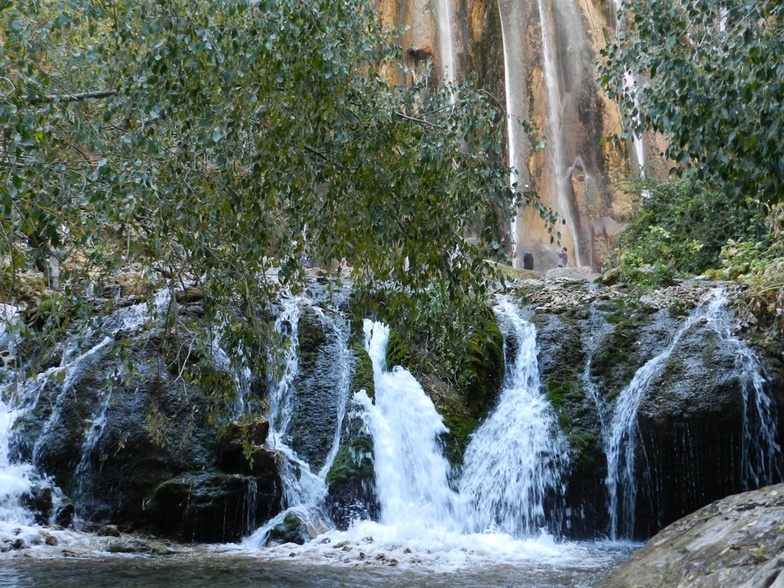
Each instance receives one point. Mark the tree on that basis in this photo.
(215, 139)
(708, 76)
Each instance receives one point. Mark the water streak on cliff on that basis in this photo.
(555, 129)
(444, 17)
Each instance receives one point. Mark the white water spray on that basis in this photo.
(411, 472)
(517, 456)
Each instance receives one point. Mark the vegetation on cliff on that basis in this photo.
(707, 78)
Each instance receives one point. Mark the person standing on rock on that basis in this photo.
(528, 260)
(562, 258)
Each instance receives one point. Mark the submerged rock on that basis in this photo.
(735, 541)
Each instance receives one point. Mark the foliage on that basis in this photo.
(681, 228)
(759, 265)
(708, 76)
(215, 140)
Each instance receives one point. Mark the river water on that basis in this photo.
(569, 565)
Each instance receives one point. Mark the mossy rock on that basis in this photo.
(458, 418)
(25, 287)
(615, 360)
(400, 353)
(291, 530)
(363, 372)
(351, 479)
(480, 377)
(561, 396)
(53, 311)
(312, 337)
(587, 453)
(352, 463)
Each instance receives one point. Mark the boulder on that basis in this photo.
(735, 541)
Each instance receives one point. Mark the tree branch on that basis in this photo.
(418, 120)
(73, 97)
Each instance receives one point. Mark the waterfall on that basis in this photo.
(759, 451)
(303, 489)
(17, 480)
(512, 464)
(411, 471)
(555, 126)
(515, 459)
(446, 50)
(514, 78)
(91, 438)
(281, 398)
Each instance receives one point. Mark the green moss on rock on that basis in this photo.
(480, 376)
(291, 530)
(352, 463)
(363, 373)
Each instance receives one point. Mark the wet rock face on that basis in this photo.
(693, 425)
(322, 373)
(212, 507)
(351, 479)
(132, 443)
(735, 541)
(698, 427)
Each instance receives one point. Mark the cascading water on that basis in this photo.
(17, 479)
(411, 472)
(516, 458)
(555, 127)
(446, 51)
(759, 451)
(514, 77)
(303, 490)
(512, 464)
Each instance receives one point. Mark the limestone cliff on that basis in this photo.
(538, 58)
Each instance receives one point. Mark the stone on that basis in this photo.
(566, 275)
(735, 541)
(108, 531)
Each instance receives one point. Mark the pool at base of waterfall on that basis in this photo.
(385, 559)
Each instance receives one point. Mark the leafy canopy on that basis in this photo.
(217, 139)
(709, 75)
(683, 225)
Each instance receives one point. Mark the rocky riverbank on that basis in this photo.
(736, 541)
